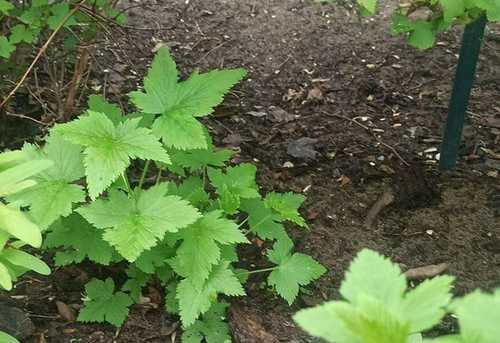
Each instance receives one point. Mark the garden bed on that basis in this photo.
(319, 76)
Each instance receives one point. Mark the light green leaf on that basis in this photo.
(97, 103)
(24, 260)
(368, 7)
(391, 284)
(12, 177)
(200, 249)
(5, 338)
(53, 195)
(287, 205)
(80, 240)
(15, 223)
(423, 35)
(136, 224)
(452, 9)
(424, 306)
(160, 85)
(20, 33)
(197, 299)
(263, 221)
(5, 278)
(179, 103)
(5, 6)
(6, 47)
(292, 271)
(180, 131)
(103, 304)
(478, 317)
(59, 12)
(211, 327)
(238, 182)
(108, 149)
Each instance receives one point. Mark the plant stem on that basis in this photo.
(129, 190)
(144, 172)
(158, 178)
(258, 271)
(243, 222)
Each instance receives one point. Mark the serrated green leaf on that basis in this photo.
(136, 281)
(53, 195)
(180, 131)
(200, 248)
(478, 317)
(179, 103)
(97, 103)
(192, 190)
(103, 304)
(195, 299)
(238, 182)
(20, 33)
(6, 47)
(292, 271)
(50, 200)
(287, 205)
(424, 306)
(59, 12)
(263, 221)
(5, 7)
(360, 277)
(198, 159)
(108, 149)
(80, 240)
(134, 225)
(154, 258)
(371, 322)
(160, 85)
(211, 327)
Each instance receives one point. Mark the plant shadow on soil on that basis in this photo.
(312, 68)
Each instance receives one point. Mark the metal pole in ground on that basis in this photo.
(462, 87)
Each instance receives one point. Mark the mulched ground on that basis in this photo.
(318, 77)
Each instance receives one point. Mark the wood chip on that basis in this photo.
(426, 272)
(65, 312)
(383, 201)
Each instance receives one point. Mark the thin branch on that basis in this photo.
(42, 50)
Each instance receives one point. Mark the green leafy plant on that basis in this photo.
(27, 21)
(33, 28)
(422, 20)
(16, 228)
(178, 225)
(378, 308)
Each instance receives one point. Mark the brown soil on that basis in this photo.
(312, 70)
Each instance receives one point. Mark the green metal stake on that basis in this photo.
(464, 78)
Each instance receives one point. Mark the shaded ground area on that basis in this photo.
(337, 108)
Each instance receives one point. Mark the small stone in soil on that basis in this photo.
(15, 322)
(302, 148)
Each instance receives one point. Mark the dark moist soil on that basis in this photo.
(313, 69)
